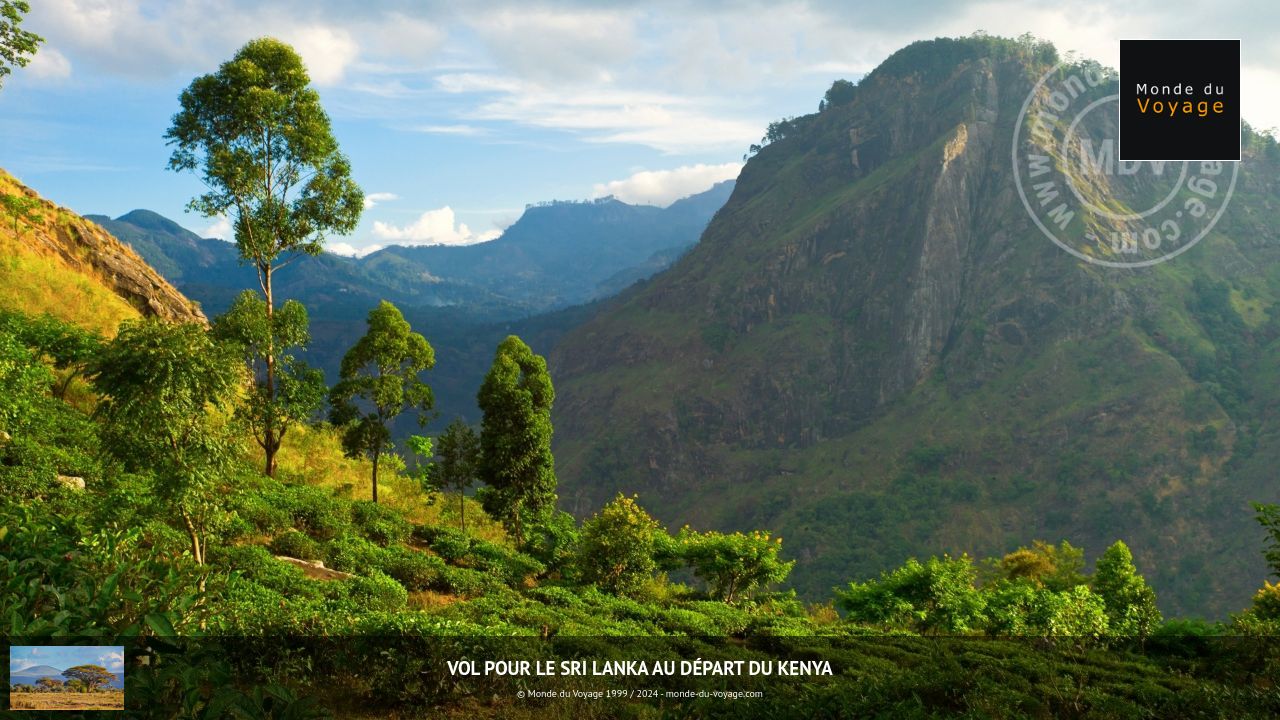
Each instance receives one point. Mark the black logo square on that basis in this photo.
(1179, 99)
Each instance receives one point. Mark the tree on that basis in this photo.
(841, 92)
(1054, 567)
(1130, 602)
(299, 389)
(20, 209)
(49, 684)
(734, 563)
(378, 381)
(70, 347)
(515, 436)
(1269, 519)
(160, 385)
(91, 676)
(617, 547)
(16, 45)
(458, 448)
(256, 132)
(937, 595)
(23, 379)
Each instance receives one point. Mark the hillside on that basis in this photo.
(874, 351)
(59, 263)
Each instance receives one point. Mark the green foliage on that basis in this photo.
(515, 437)
(297, 545)
(382, 525)
(70, 348)
(841, 92)
(22, 381)
(1130, 602)
(1266, 602)
(733, 565)
(292, 392)
(378, 592)
(1057, 568)
(378, 381)
(935, 596)
(159, 383)
(458, 449)
(617, 547)
(16, 45)
(263, 146)
(1269, 518)
(553, 541)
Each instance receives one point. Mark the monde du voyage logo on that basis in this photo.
(1128, 170)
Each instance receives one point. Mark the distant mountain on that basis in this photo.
(465, 300)
(36, 671)
(565, 253)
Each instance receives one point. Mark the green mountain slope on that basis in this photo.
(874, 351)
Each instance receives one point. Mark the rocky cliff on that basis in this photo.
(59, 248)
(875, 351)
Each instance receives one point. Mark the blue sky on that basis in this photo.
(63, 657)
(457, 115)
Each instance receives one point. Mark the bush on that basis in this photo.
(378, 591)
(315, 511)
(414, 570)
(380, 523)
(255, 563)
(296, 545)
(450, 544)
(511, 565)
(617, 547)
(354, 554)
(464, 581)
(263, 513)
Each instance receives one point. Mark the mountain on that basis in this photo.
(610, 244)
(60, 263)
(600, 240)
(875, 351)
(465, 300)
(30, 675)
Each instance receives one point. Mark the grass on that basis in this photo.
(35, 281)
(111, 700)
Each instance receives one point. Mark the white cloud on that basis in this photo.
(349, 250)
(372, 199)
(559, 44)
(663, 187)
(111, 660)
(467, 130)
(49, 64)
(434, 227)
(221, 229)
(326, 51)
(667, 122)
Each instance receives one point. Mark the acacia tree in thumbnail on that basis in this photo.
(256, 133)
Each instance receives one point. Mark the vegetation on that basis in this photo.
(16, 45)
(378, 381)
(257, 134)
(515, 437)
(180, 537)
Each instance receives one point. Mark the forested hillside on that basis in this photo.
(875, 352)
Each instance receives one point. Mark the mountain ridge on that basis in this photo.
(874, 351)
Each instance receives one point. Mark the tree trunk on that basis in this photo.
(376, 453)
(270, 443)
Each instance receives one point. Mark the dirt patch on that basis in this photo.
(113, 700)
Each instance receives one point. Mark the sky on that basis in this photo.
(63, 657)
(455, 115)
